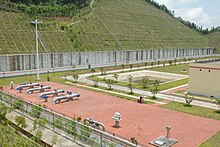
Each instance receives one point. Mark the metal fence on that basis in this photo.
(63, 125)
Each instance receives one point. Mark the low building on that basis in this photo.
(204, 79)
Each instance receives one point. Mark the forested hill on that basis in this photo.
(92, 25)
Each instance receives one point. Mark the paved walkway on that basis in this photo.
(83, 78)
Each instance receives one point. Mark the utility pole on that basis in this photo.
(37, 54)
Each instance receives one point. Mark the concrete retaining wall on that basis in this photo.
(55, 60)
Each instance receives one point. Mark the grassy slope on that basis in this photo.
(18, 36)
(214, 41)
(129, 24)
(8, 137)
(111, 25)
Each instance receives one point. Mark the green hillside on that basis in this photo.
(104, 25)
(18, 35)
(214, 41)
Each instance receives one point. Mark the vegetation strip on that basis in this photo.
(107, 91)
(195, 110)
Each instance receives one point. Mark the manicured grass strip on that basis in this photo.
(54, 77)
(214, 141)
(96, 89)
(195, 110)
(173, 84)
(172, 69)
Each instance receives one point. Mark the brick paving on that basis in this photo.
(144, 122)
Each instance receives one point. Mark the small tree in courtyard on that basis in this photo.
(122, 67)
(175, 60)
(130, 86)
(164, 63)
(188, 99)
(145, 64)
(144, 82)
(170, 62)
(152, 64)
(155, 88)
(102, 71)
(217, 101)
(109, 82)
(158, 63)
(116, 77)
(130, 78)
(95, 81)
(131, 66)
(93, 71)
(75, 77)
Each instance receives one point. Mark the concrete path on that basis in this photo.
(83, 78)
(149, 73)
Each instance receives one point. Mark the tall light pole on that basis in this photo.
(37, 54)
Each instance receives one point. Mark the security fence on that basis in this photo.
(72, 129)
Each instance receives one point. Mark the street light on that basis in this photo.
(37, 22)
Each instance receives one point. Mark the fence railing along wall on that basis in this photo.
(65, 125)
(69, 59)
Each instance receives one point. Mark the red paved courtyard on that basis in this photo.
(144, 122)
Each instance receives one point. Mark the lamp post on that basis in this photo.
(37, 54)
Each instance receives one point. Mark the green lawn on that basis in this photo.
(214, 141)
(172, 69)
(195, 110)
(163, 86)
(54, 77)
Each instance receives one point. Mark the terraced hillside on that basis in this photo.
(134, 24)
(111, 25)
(214, 41)
(18, 35)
